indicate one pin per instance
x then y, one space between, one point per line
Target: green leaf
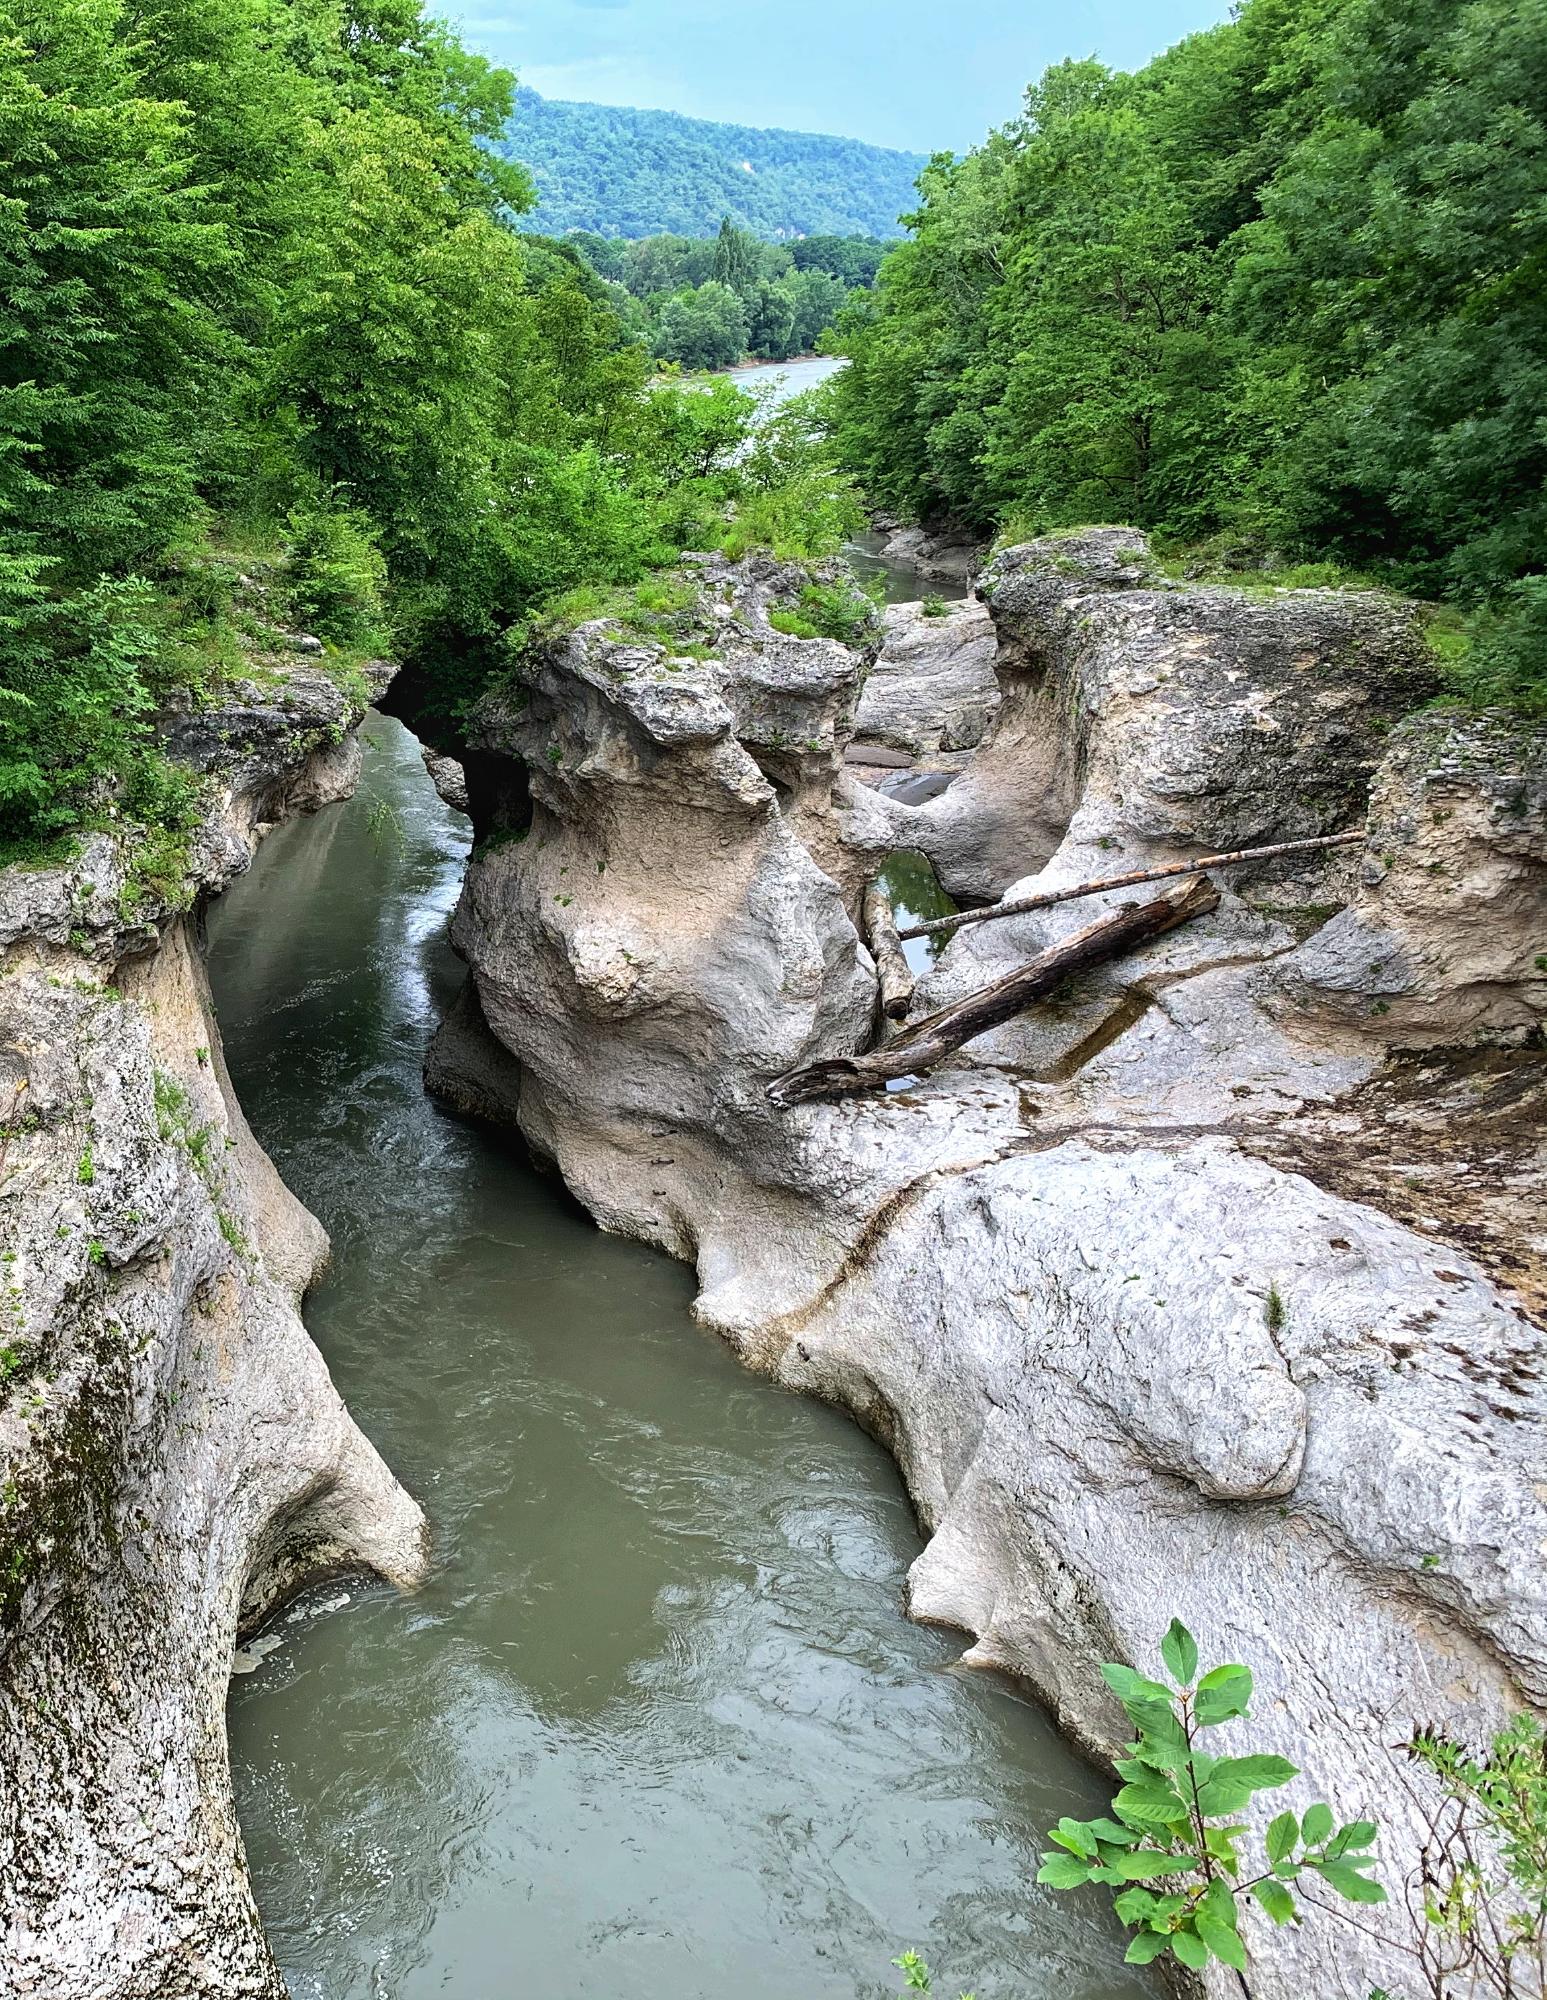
1223 1941
1276 1900
1180 1652
1138 1906
1076 1835
1316 1825
1143 1864
1146 1946
1223 1693
1164 1746
1234 1779
1344 1876
1189 1949
1109 1832
1129 1686
1358 1833
1149 1805
1063 1871
1219 1903
1283 1835
1146 1702
1133 1905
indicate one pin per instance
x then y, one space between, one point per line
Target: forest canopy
705 302
630 173
265 316
1283 289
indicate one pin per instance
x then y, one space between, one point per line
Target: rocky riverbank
173 1457
1141 1343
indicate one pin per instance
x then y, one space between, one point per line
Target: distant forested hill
637 173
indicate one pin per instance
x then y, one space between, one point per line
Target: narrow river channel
657 1728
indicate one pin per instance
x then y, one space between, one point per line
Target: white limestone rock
1128 1371
932 687
174 1459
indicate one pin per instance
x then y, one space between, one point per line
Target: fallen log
940 926
892 967
930 1041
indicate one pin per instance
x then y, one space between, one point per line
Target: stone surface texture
1131 1366
1140 717
945 556
1445 938
448 778
932 687
174 1459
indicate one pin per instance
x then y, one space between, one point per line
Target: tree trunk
940 926
892 967
930 1041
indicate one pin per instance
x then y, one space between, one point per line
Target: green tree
817 298
771 321
264 309
1282 284
111 354
736 260
703 328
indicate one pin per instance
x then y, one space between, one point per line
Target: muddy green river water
657 1728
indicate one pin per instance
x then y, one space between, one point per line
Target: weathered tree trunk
929 1041
892 967
942 926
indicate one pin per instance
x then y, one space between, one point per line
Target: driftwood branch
892 967
940 926
930 1041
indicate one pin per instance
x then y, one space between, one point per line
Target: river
779 382
656 1729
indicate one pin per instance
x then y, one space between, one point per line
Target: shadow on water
656 1729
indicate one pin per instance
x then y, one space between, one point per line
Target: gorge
579 1415
661 1620
663 1624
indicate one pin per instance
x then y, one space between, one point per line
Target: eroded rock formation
1138 715
173 1456
1129 1364
932 688
1444 939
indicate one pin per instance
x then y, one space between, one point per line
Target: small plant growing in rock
1174 1823
1481 1887
916 1975
935 606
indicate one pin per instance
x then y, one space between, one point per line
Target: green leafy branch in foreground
1174 1823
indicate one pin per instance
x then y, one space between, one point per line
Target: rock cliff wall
173 1456
1131 1365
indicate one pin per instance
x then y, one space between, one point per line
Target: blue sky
917 74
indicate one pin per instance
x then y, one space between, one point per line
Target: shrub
1175 1823
1482 1879
74 711
336 583
1507 658
811 517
